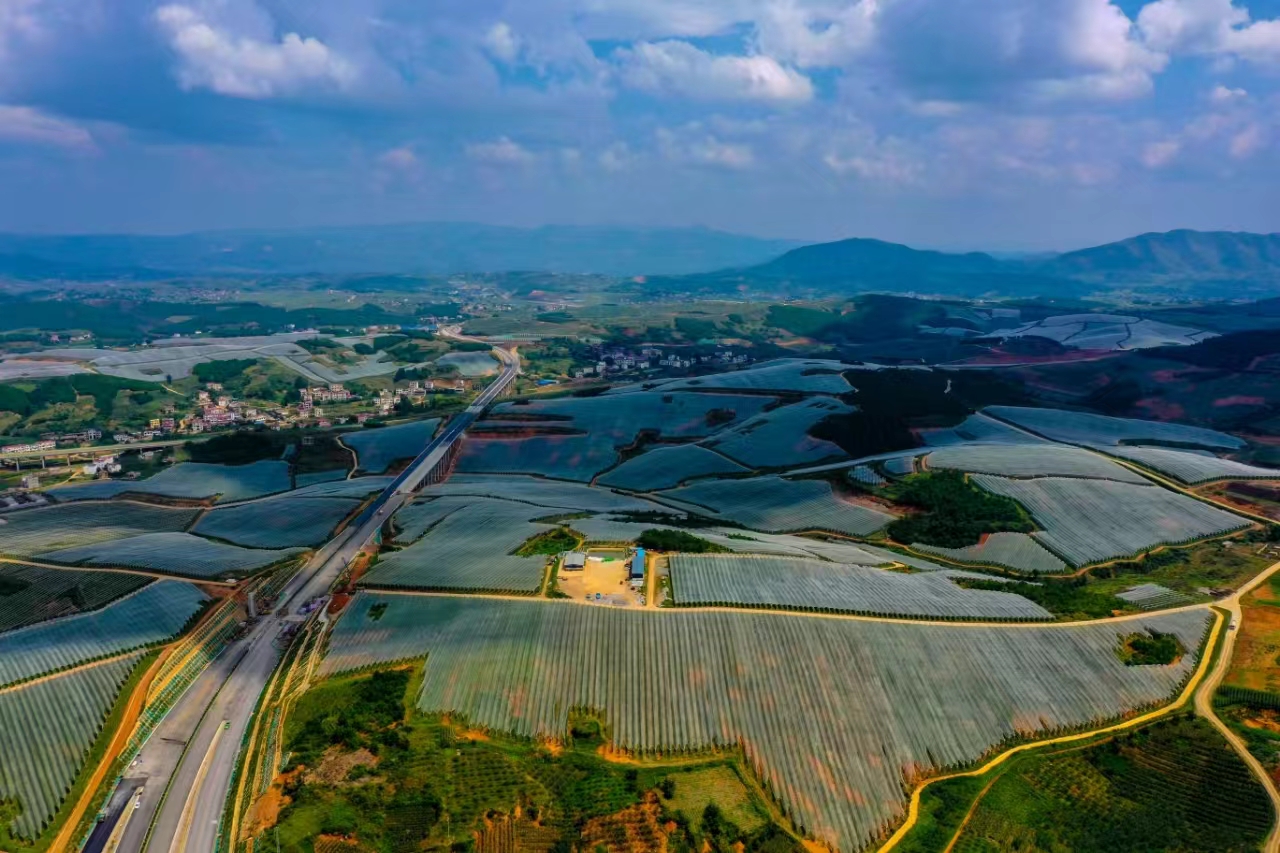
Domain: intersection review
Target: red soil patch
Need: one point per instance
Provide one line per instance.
(1239, 400)
(1161, 409)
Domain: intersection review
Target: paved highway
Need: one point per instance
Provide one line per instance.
(225, 695)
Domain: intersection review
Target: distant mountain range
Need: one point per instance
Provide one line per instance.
(416, 249)
(1198, 263)
(678, 260)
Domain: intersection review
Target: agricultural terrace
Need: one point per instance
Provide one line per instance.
(152, 615)
(979, 429)
(780, 438)
(190, 481)
(795, 375)
(467, 543)
(807, 584)
(279, 522)
(46, 731)
(34, 531)
(589, 431)
(1016, 551)
(667, 467)
(1089, 521)
(775, 505)
(874, 705)
(31, 594)
(1030, 460)
(550, 494)
(379, 449)
(357, 487)
(172, 554)
(1193, 468)
(1087, 429)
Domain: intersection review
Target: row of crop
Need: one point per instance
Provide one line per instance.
(916, 697)
(46, 730)
(178, 554)
(1015, 552)
(37, 531)
(822, 586)
(777, 505)
(151, 615)
(1089, 521)
(1030, 461)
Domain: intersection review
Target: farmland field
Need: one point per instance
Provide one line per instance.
(73, 525)
(978, 429)
(780, 438)
(806, 376)
(1194, 468)
(1087, 521)
(1016, 551)
(378, 449)
(470, 364)
(357, 487)
(670, 680)
(46, 731)
(172, 553)
(154, 613)
(801, 584)
(539, 492)
(605, 424)
(1173, 786)
(278, 522)
(193, 480)
(1082, 428)
(1030, 460)
(468, 548)
(667, 467)
(775, 505)
(29, 594)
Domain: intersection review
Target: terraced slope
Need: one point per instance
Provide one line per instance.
(866, 704)
(35, 531)
(46, 731)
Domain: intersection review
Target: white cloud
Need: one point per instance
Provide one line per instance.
(31, 126)
(502, 42)
(500, 152)
(241, 66)
(17, 20)
(691, 146)
(679, 68)
(618, 157)
(1157, 155)
(991, 50)
(1224, 95)
(816, 34)
(1209, 28)
(1246, 142)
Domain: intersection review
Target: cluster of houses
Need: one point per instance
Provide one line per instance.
(51, 440)
(623, 361)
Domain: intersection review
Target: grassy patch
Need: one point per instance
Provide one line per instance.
(678, 540)
(550, 542)
(1150, 649)
(1073, 598)
(1171, 786)
(435, 782)
(954, 512)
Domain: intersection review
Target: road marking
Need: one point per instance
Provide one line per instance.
(117, 834)
(179, 843)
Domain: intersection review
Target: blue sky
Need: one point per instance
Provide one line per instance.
(1002, 124)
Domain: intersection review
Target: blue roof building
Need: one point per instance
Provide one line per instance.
(637, 564)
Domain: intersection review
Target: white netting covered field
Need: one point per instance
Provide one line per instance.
(1030, 460)
(71, 525)
(1088, 521)
(174, 554)
(775, 505)
(1194, 468)
(1016, 551)
(1084, 428)
(800, 584)
(811, 699)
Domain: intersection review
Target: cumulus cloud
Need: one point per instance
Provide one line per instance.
(1246, 142)
(28, 125)
(502, 42)
(500, 152)
(17, 20)
(229, 63)
(692, 146)
(981, 50)
(1225, 95)
(1157, 155)
(1211, 28)
(816, 34)
(680, 68)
